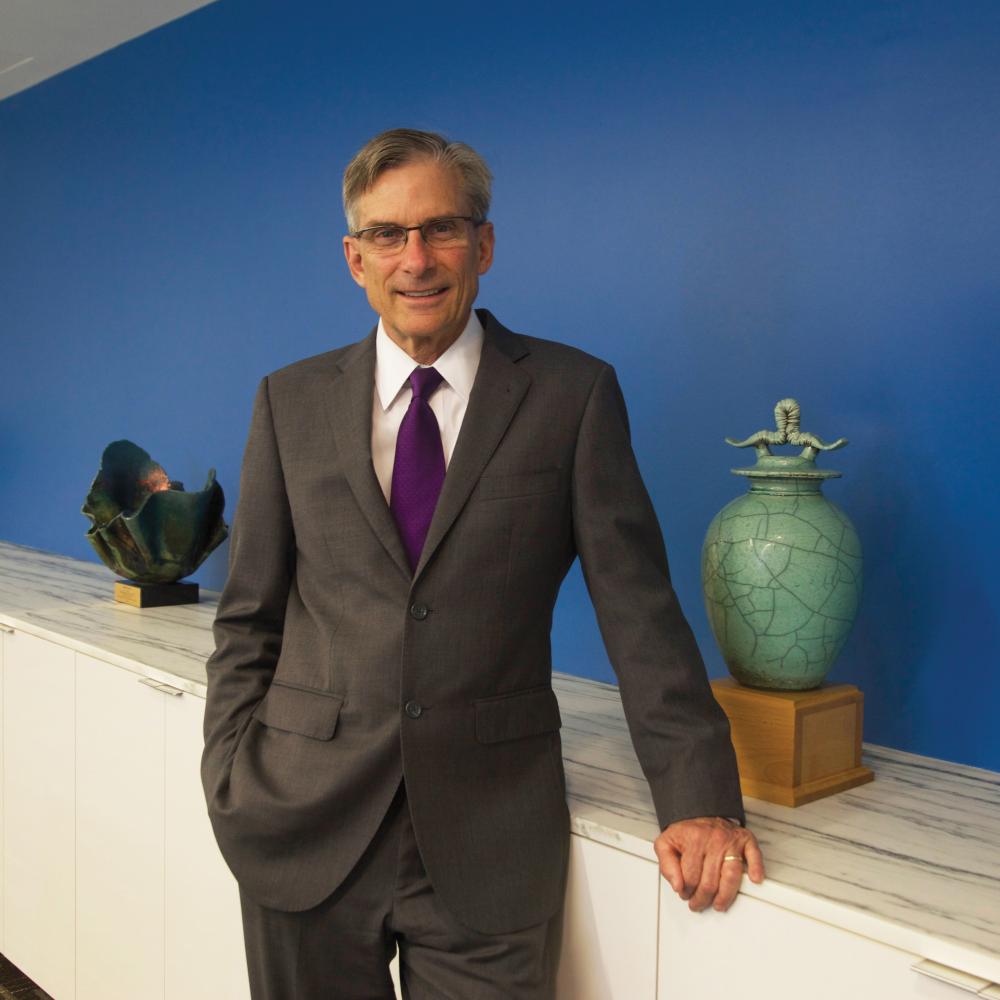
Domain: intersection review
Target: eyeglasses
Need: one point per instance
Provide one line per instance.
(450, 232)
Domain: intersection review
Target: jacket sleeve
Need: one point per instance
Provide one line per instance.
(250, 619)
(680, 734)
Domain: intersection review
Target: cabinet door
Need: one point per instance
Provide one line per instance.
(119, 835)
(609, 930)
(39, 802)
(757, 951)
(205, 959)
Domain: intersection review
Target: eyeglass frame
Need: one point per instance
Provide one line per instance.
(359, 234)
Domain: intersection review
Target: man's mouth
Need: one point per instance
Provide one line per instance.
(425, 293)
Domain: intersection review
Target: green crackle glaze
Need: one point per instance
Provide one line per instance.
(781, 565)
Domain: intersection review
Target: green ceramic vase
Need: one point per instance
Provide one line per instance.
(781, 566)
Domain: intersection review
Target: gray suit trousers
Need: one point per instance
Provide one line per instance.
(341, 949)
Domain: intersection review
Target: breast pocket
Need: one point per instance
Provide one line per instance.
(501, 486)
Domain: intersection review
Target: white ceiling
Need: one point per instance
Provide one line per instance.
(39, 38)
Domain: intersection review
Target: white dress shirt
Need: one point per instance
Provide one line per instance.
(457, 366)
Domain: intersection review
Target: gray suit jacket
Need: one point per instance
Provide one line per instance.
(337, 671)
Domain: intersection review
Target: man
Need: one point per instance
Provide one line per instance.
(382, 759)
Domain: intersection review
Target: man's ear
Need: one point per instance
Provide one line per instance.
(487, 240)
(355, 262)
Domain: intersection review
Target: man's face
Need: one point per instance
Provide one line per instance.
(411, 195)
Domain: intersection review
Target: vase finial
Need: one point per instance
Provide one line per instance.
(787, 414)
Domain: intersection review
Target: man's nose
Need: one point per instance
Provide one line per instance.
(416, 254)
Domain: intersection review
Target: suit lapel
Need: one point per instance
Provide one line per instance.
(349, 410)
(497, 392)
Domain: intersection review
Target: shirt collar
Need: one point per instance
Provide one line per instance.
(457, 366)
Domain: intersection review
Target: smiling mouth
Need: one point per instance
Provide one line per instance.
(427, 293)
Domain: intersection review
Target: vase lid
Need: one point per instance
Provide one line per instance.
(786, 467)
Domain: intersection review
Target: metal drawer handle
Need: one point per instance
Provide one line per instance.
(954, 977)
(160, 686)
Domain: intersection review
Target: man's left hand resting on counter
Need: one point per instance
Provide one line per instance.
(703, 860)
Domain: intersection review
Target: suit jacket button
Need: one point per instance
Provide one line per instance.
(413, 709)
(419, 611)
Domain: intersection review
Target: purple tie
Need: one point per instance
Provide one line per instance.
(418, 469)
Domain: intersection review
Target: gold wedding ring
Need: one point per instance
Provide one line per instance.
(734, 857)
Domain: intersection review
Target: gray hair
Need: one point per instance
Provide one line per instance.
(399, 146)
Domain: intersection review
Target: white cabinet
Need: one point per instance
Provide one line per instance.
(758, 951)
(609, 932)
(204, 931)
(111, 883)
(119, 835)
(38, 815)
(157, 909)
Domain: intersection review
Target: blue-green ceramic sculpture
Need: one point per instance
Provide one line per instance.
(781, 565)
(146, 528)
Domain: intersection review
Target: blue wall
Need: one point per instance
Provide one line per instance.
(731, 203)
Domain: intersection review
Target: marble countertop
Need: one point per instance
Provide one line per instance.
(911, 859)
(71, 602)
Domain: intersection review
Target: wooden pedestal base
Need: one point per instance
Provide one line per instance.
(155, 595)
(795, 746)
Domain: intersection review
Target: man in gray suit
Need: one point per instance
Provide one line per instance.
(382, 758)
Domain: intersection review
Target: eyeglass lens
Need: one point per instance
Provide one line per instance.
(436, 233)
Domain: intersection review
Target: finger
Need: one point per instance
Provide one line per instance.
(708, 883)
(729, 884)
(670, 866)
(755, 860)
(692, 868)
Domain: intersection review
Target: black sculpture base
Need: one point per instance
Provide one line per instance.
(155, 595)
